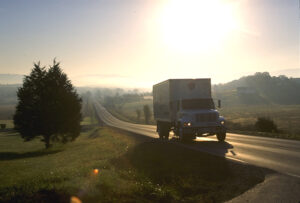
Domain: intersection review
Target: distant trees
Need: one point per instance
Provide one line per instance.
(48, 106)
(147, 113)
(264, 124)
(267, 90)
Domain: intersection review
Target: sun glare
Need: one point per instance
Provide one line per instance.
(197, 25)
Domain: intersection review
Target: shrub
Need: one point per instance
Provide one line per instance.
(2, 126)
(264, 124)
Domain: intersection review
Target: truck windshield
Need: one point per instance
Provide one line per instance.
(198, 104)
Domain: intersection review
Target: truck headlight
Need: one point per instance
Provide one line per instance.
(222, 122)
(187, 124)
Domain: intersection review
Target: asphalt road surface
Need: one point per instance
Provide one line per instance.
(277, 154)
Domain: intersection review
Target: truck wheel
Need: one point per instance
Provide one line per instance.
(159, 130)
(221, 136)
(163, 132)
(160, 135)
(167, 135)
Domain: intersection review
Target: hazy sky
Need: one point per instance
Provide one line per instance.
(136, 43)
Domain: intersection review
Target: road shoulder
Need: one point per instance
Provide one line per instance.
(276, 188)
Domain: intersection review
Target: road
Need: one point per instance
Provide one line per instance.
(277, 154)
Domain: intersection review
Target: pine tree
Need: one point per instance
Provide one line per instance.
(48, 106)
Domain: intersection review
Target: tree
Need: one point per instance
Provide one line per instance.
(138, 114)
(147, 113)
(48, 106)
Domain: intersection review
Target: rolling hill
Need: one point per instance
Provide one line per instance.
(260, 88)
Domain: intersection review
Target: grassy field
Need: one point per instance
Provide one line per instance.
(287, 117)
(9, 123)
(130, 168)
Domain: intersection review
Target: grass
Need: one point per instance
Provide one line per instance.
(9, 123)
(131, 169)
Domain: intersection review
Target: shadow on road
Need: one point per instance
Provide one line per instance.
(217, 148)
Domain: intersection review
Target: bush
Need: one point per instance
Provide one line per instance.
(2, 126)
(264, 124)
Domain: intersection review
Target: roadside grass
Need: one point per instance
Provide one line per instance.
(131, 168)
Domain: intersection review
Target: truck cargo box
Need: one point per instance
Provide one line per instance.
(167, 95)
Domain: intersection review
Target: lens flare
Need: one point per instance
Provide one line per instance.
(74, 199)
(95, 171)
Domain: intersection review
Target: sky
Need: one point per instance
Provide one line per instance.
(137, 43)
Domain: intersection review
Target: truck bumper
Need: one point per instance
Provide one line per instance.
(204, 130)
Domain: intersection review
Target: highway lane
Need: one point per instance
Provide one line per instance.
(277, 154)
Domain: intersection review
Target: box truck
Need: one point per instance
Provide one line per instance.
(186, 107)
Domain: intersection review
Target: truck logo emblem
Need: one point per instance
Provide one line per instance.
(191, 85)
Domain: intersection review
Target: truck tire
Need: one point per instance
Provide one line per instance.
(221, 136)
(163, 131)
(160, 135)
(163, 134)
(166, 135)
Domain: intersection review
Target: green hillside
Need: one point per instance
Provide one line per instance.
(260, 88)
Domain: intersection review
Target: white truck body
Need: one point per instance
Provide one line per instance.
(186, 107)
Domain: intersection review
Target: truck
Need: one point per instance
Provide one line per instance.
(186, 107)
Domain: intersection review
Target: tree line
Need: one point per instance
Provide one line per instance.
(266, 89)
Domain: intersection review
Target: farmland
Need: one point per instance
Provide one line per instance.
(287, 117)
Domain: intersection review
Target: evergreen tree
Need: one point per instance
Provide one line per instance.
(48, 106)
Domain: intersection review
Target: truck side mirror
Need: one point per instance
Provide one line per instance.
(219, 103)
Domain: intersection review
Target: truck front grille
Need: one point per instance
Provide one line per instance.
(206, 117)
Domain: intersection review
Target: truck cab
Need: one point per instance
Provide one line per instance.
(198, 117)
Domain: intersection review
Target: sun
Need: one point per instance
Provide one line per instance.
(194, 26)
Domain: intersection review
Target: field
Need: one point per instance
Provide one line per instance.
(286, 117)
(105, 165)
